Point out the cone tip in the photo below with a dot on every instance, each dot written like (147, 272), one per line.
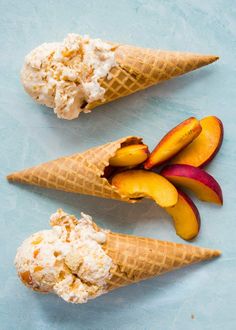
(10, 177)
(217, 253)
(204, 59)
(208, 59)
(215, 58)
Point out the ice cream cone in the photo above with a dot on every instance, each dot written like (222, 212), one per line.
(79, 173)
(78, 260)
(138, 258)
(139, 68)
(81, 73)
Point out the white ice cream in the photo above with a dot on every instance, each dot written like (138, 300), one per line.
(67, 260)
(65, 76)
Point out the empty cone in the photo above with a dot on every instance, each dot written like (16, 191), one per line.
(79, 173)
(139, 68)
(139, 258)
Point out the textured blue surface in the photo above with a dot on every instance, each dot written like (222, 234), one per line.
(199, 297)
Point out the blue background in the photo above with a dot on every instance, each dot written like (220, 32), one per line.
(198, 297)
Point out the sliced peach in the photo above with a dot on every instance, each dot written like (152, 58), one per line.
(185, 216)
(140, 183)
(200, 182)
(173, 142)
(204, 148)
(130, 155)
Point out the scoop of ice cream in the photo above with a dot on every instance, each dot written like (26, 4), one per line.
(65, 76)
(67, 260)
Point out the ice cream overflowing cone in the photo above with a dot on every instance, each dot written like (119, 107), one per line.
(81, 73)
(78, 261)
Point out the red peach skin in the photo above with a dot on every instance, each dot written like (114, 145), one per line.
(199, 181)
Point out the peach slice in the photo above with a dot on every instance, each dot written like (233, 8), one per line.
(130, 155)
(204, 148)
(141, 183)
(200, 182)
(186, 217)
(173, 142)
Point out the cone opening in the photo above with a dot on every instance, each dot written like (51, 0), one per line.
(123, 143)
(106, 171)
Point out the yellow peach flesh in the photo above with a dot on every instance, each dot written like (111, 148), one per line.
(205, 146)
(174, 141)
(140, 183)
(130, 155)
(186, 218)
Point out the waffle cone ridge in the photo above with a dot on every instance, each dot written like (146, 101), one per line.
(138, 258)
(139, 68)
(79, 173)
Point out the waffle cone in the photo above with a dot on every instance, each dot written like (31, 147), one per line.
(138, 258)
(139, 68)
(79, 173)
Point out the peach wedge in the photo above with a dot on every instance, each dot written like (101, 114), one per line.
(204, 148)
(140, 183)
(173, 142)
(200, 182)
(130, 155)
(185, 216)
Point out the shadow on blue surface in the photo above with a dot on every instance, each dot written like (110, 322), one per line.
(115, 215)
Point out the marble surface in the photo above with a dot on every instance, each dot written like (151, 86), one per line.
(199, 297)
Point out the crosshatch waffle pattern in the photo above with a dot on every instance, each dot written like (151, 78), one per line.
(78, 173)
(138, 258)
(139, 68)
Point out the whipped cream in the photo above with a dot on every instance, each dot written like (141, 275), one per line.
(67, 260)
(65, 76)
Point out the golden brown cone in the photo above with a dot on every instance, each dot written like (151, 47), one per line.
(79, 173)
(139, 68)
(139, 258)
